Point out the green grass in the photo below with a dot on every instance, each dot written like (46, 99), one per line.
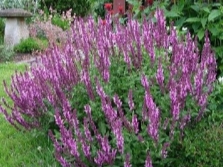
(18, 148)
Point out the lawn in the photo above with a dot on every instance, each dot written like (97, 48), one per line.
(18, 148)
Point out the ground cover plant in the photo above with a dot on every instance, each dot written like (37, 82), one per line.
(127, 89)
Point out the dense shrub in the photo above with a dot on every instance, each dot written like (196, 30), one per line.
(29, 45)
(115, 95)
(201, 145)
(79, 7)
(97, 7)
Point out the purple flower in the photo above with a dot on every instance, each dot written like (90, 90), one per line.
(135, 124)
(106, 155)
(117, 130)
(153, 116)
(160, 76)
(144, 82)
(127, 161)
(164, 150)
(148, 162)
(117, 101)
(130, 100)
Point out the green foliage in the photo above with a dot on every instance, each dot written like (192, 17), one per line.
(199, 17)
(6, 53)
(58, 21)
(30, 5)
(201, 145)
(2, 30)
(97, 7)
(30, 44)
(79, 7)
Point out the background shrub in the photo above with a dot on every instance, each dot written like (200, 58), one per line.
(79, 7)
(31, 44)
(58, 21)
(30, 5)
(97, 8)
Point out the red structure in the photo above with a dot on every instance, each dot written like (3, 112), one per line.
(119, 4)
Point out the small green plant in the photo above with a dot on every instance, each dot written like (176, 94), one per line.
(6, 53)
(30, 44)
(58, 21)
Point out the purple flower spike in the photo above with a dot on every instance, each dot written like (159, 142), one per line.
(148, 162)
(144, 82)
(130, 100)
(135, 124)
(127, 161)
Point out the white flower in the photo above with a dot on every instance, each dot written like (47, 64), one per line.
(39, 148)
(220, 79)
(170, 49)
(184, 28)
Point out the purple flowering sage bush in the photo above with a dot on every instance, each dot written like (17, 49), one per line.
(116, 95)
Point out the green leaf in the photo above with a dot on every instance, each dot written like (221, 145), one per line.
(200, 34)
(179, 23)
(102, 128)
(193, 20)
(214, 14)
(206, 9)
(216, 4)
(203, 22)
(195, 8)
(214, 31)
(171, 14)
(133, 2)
(196, 27)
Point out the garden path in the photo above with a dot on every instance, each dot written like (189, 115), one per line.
(25, 59)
